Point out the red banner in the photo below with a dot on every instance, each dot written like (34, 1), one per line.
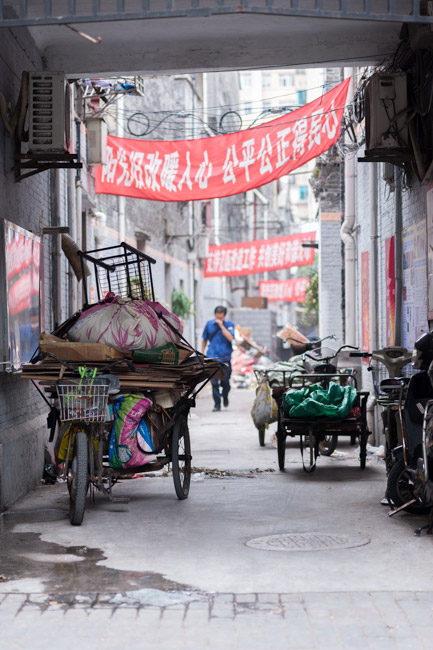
(245, 258)
(207, 168)
(292, 290)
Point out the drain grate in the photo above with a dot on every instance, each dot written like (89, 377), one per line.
(306, 542)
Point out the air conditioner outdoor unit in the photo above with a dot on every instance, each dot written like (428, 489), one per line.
(96, 141)
(385, 111)
(202, 245)
(50, 113)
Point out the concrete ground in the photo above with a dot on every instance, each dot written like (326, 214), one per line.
(254, 558)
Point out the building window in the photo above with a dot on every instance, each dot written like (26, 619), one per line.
(303, 192)
(302, 97)
(246, 80)
(246, 109)
(266, 81)
(286, 80)
(206, 215)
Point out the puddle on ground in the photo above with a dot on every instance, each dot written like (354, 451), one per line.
(25, 556)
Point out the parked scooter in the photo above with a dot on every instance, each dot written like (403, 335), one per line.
(389, 391)
(409, 487)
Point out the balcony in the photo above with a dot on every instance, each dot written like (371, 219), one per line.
(106, 37)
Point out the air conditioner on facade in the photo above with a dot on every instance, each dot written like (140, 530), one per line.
(202, 245)
(96, 141)
(50, 113)
(385, 111)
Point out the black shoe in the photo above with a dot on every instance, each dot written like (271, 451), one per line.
(225, 401)
(216, 408)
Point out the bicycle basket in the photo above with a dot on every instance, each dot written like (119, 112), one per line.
(380, 372)
(83, 400)
(319, 355)
(122, 270)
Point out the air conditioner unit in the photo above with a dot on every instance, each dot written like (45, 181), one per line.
(96, 141)
(386, 111)
(50, 113)
(202, 245)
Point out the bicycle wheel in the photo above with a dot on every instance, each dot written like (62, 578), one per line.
(181, 457)
(400, 489)
(328, 445)
(78, 479)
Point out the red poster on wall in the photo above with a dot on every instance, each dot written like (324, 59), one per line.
(365, 301)
(390, 289)
(292, 290)
(223, 165)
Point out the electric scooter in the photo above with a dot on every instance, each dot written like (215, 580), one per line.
(408, 486)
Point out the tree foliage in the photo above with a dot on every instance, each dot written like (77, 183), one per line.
(311, 304)
(181, 304)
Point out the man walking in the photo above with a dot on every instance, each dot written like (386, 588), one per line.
(219, 333)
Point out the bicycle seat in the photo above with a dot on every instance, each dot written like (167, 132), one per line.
(392, 384)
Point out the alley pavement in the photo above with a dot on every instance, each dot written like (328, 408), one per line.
(254, 558)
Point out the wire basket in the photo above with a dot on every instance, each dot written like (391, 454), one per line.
(83, 400)
(380, 372)
(122, 270)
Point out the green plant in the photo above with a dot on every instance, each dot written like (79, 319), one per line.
(310, 314)
(181, 304)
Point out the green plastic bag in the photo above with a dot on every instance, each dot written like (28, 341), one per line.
(316, 401)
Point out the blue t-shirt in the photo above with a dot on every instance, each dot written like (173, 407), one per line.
(219, 347)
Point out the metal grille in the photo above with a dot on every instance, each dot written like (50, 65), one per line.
(58, 12)
(122, 270)
(83, 400)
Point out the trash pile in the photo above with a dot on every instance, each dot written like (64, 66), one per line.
(246, 356)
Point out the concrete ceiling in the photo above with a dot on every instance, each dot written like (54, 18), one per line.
(216, 42)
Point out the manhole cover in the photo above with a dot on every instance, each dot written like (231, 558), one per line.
(306, 542)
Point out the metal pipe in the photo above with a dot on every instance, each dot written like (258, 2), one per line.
(398, 227)
(374, 303)
(347, 238)
(57, 248)
(79, 237)
(72, 223)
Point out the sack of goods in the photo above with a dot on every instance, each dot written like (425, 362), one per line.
(127, 324)
(265, 409)
(316, 401)
(130, 436)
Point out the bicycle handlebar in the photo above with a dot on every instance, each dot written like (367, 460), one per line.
(331, 356)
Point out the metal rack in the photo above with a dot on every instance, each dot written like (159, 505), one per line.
(122, 270)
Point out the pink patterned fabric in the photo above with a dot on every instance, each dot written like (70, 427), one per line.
(126, 324)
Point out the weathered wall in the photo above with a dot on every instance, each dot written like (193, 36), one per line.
(413, 212)
(23, 431)
(328, 186)
(263, 323)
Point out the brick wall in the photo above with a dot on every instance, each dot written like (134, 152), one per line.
(413, 211)
(23, 430)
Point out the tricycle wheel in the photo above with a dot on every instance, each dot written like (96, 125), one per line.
(281, 444)
(328, 445)
(181, 457)
(78, 479)
(262, 436)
